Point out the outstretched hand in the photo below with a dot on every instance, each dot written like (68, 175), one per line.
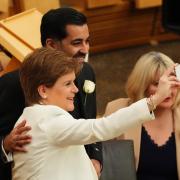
(17, 138)
(167, 82)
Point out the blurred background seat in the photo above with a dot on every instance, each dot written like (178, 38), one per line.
(118, 160)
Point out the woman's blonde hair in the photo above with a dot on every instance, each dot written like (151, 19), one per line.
(144, 73)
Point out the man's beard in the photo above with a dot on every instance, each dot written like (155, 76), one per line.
(80, 55)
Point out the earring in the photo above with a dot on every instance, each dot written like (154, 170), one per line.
(44, 97)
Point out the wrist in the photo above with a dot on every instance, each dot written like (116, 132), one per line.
(156, 99)
(152, 102)
(5, 144)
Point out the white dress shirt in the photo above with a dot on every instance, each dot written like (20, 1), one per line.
(7, 157)
(57, 150)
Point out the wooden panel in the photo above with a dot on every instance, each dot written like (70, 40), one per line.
(118, 26)
(78, 4)
(20, 34)
(100, 3)
(4, 59)
(121, 26)
(25, 27)
(4, 5)
(13, 45)
(13, 65)
(147, 3)
(42, 5)
(4, 9)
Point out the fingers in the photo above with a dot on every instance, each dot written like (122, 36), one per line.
(170, 70)
(20, 149)
(20, 130)
(23, 137)
(167, 82)
(21, 127)
(22, 124)
(176, 84)
(174, 81)
(20, 141)
(18, 137)
(20, 145)
(170, 76)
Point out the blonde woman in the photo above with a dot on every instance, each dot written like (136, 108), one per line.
(156, 143)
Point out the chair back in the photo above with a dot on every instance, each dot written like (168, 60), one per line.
(118, 160)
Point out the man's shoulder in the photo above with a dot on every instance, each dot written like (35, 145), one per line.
(10, 81)
(87, 69)
(14, 75)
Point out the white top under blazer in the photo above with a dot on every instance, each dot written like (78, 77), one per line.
(57, 149)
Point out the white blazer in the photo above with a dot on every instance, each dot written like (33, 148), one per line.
(57, 150)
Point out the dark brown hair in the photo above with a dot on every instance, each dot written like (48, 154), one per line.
(43, 67)
(55, 21)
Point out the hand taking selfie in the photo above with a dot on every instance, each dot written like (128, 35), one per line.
(18, 137)
(167, 82)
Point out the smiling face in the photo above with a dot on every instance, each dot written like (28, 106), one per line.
(75, 44)
(169, 101)
(61, 94)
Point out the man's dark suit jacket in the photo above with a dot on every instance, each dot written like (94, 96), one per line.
(12, 104)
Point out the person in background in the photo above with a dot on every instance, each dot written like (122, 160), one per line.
(63, 29)
(57, 137)
(156, 143)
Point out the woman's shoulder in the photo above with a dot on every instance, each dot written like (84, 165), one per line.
(46, 115)
(116, 104)
(45, 110)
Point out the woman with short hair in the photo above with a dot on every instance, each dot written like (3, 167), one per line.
(56, 151)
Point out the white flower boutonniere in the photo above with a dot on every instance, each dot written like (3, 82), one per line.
(89, 87)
